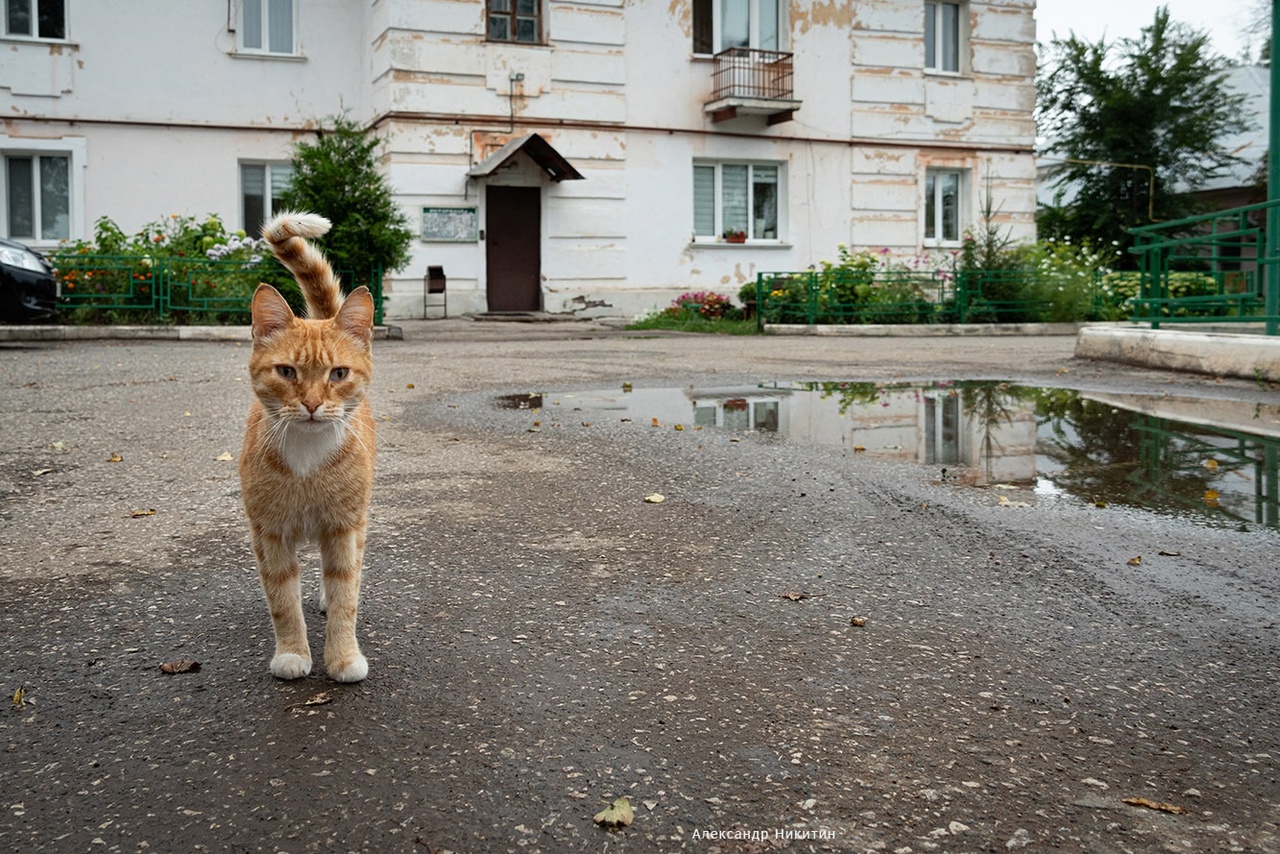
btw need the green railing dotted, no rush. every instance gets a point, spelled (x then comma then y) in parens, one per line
(191, 291)
(1210, 268)
(982, 296)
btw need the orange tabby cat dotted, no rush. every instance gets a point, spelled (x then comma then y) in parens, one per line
(306, 471)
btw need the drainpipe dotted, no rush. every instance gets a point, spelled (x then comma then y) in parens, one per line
(1273, 182)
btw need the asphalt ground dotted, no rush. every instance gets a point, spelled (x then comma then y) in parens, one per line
(951, 674)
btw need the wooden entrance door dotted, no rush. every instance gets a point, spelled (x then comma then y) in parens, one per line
(513, 248)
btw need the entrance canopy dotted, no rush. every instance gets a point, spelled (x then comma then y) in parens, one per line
(538, 149)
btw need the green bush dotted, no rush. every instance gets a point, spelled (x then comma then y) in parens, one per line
(208, 273)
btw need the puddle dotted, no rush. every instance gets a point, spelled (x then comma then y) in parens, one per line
(1211, 461)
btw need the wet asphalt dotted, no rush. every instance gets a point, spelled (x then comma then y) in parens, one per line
(798, 649)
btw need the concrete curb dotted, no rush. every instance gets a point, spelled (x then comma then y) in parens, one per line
(151, 333)
(1218, 354)
(922, 330)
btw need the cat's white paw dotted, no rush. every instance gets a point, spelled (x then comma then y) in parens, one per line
(352, 670)
(290, 665)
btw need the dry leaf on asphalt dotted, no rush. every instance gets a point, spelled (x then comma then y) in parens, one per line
(19, 698)
(182, 665)
(617, 814)
(115, 458)
(224, 457)
(793, 596)
(314, 700)
(1156, 805)
(1135, 560)
(654, 498)
(138, 514)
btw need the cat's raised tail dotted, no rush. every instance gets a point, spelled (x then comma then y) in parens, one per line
(289, 233)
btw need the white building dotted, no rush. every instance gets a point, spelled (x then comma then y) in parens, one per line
(564, 155)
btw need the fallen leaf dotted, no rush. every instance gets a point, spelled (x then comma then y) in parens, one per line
(19, 699)
(858, 449)
(314, 700)
(1135, 560)
(1211, 464)
(1156, 805)
(617, 814)
(679, 426)
(138, 514)
(654, 498)
(182, 665)
(186, 414)
(1211, 497)
(1164, 553)
(657, 423)
(408, 385)
(793, 596)
(1101, 504)
(857, 622)
(224, 457)
(1005, 502)
(626, 387)
(115, 458)
(42, 472)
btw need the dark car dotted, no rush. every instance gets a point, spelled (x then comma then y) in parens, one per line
(28, 289)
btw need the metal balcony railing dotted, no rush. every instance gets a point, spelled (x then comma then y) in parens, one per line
(742, 72)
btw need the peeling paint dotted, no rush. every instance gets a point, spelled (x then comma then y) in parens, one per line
(681, 11)
(832, 13)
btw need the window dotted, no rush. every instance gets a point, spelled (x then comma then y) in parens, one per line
(42, 19)
(942, 189)
(515, 21)
(942, 36)
(739, 197)
(37, 189)
(260, 187)
(722, 24)
(266, 26)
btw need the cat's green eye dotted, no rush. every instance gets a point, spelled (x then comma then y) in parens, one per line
(338, 374)
(287, 371)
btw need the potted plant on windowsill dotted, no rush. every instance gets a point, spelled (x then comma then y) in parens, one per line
(734, 236)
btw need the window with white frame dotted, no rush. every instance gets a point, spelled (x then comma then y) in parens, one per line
(737, 198)
(722, 24)
(943, 190)
(37, 19)
(943, 35)
(268, 27)
(260, 187)
(37, 196)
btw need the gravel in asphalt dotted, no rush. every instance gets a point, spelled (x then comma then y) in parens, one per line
(798, 649)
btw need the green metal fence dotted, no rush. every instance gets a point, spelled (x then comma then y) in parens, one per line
(1214, 267)
(188, 291)
(843, 297)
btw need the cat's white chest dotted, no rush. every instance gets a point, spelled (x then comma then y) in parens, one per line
(306, 449)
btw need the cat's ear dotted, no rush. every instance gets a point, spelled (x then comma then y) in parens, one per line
(270, 313)
(356, 315)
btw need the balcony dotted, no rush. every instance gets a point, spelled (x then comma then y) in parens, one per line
(749, 82)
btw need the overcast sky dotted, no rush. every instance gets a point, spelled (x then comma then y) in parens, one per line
(1223, 19)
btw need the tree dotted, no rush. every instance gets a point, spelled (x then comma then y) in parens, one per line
(1157, 101)
(336, 176)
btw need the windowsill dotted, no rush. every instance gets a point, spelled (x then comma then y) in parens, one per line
(950, 75)
(944, 245)
(34, 40)
(277, 57)
(515, 43)
(705, 242)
